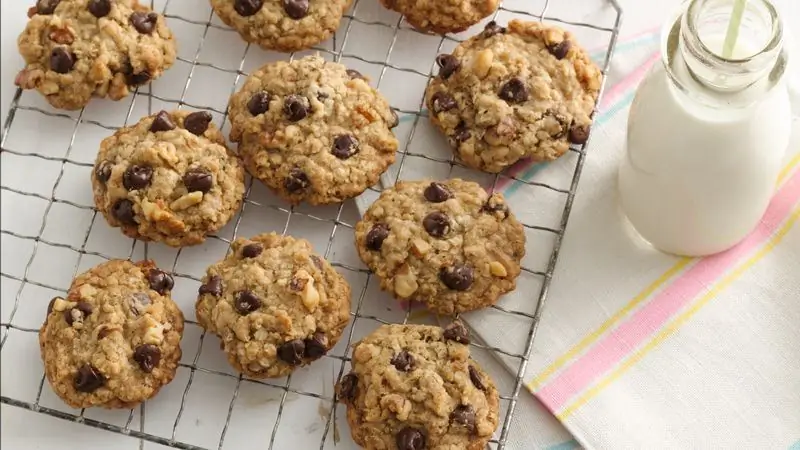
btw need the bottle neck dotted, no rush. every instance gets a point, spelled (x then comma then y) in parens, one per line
(703, 30)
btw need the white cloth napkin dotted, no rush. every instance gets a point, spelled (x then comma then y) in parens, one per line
(637, 349)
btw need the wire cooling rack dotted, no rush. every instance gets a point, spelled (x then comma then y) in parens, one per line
(51, 231)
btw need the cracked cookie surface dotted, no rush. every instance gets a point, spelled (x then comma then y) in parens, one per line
(275, 305)
(441, 17)
(114, 340)
(78, 49)
(313, 130)
(526, 91)
(447, 244)
(415, 387)
(169, 178)
(282, 25)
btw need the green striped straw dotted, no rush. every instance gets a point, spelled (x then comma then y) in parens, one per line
(733, 28)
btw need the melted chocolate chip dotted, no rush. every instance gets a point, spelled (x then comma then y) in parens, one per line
(137, 177)
(296, 108)
(147, 356)
(252, 250)
(491, 29)
(579, 134)
(88, 379)
(344, 146)
(197, 122)
(138, 303)
(316, 345)
(437, 193)
(292, 352)
(213, 286)
(50, 305)
(461, 133)
(296, 181)
(376, 236)
(162, 122)
(104, 331)
(514, 91)
(410, 439)
(137, 79)
(348, 387)
(395, 119)
(61, 60)
(457, 332)
(457, 277)
(100, 8)
(476, 378)
(160, 282)
(123, 211)
(403, 361)
(198, 179)
(246, 302)
(247, 8)
(437, 224)
(495, 205)
(296, 9)
(448, 64)
(102, 171)
(353, 74)
(144, 22)
(259, 103)
(46, 6)
(81, 311)
(464, 415)
(560, 49)
(441, 102)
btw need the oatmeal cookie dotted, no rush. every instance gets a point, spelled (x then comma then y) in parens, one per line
(447, 244)
(526, 91)
(275, 305)
(77, 49)
(443, 16)
(313, 130)
(114, 340)
(282, 25)
(415, 387)
(169, 178)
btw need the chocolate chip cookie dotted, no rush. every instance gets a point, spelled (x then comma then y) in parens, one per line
(415, 387)
(77, 49)
(283, 25)
(114, 340)
(526, 91)
(275, 305)
(169, 178)
(447, 244)
(441, 17)
(313, 130)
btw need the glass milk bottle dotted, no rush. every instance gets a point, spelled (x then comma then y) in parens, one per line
(708, 129)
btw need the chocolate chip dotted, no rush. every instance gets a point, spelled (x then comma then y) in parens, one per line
(491, 29)
(103, 171)
(252, 250)
(316, 345)
(213, 286)
(410, 439)
(104, 331)
(514, 91)
(137, 79)
(457, 277)
(464, 415)
(61, 60)
(246, 302)
(560, 49)
(376, 236)
(437, 193)
(46, 6)
(448, 64)
(296, 181)
(88, 379)
(461, 133)
(495, 205)
(50, 305)
(296, 9)
(160, 282)
(259, 103)
(437, 224)
(344, 146)
(137, 177)
(403, 361)
(292, 352)
(348, 387)
(441, 102)
(476, 378)
(198, 179)
(162, 122)
(247, 8)
(456, 331)
(296, 108)
(579, 134)
(144, 22)
(395, 119)
(148, 356)
(123, 211)
(138, 303)
(100, 8)
(81, 311)
(298, 284)
(197, 122)
(353, 74)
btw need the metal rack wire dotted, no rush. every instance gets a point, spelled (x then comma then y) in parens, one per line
(338, 52)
